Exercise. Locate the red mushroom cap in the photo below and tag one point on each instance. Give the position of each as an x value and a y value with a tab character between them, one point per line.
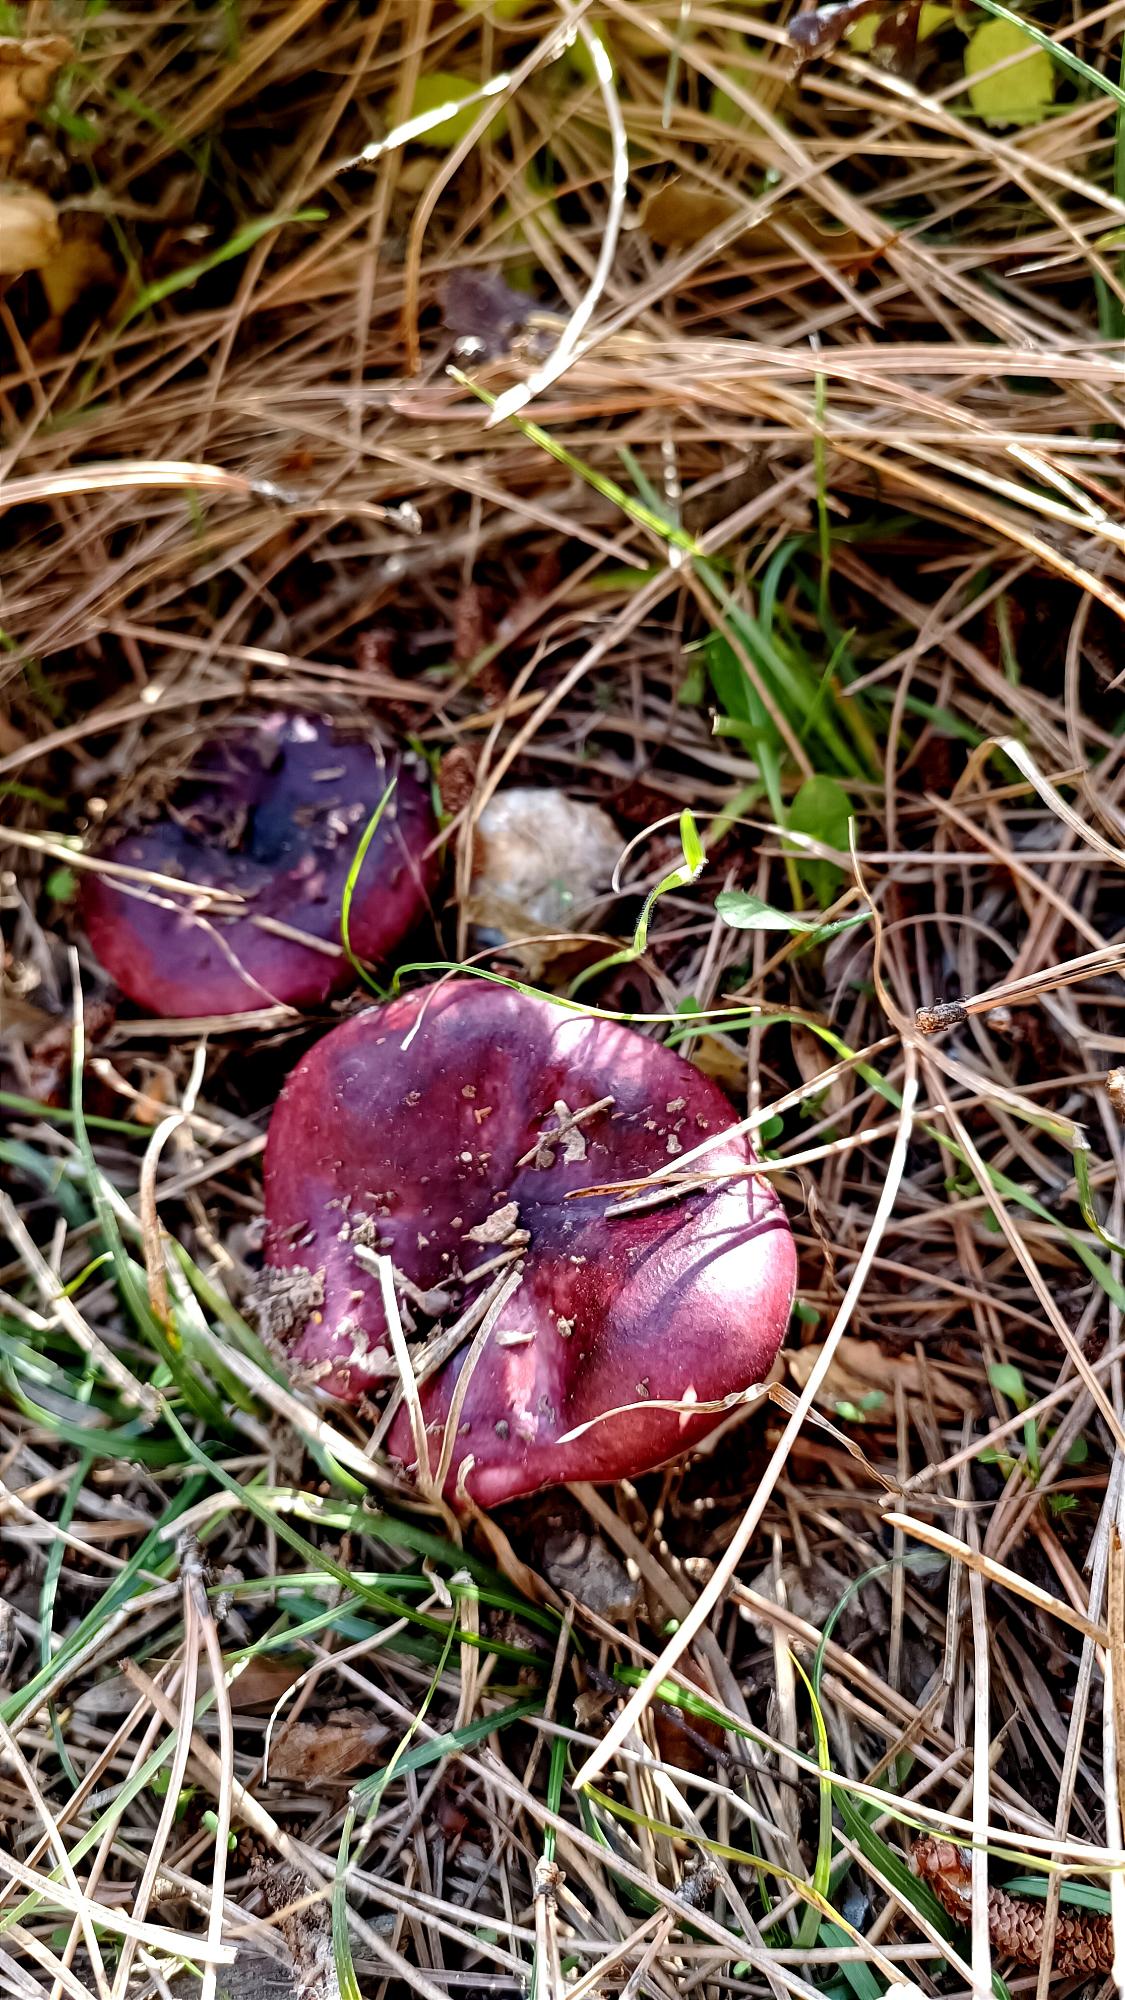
275	812
408	1143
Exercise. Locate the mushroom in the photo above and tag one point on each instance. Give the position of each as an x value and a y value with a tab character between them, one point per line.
454	1132
273	812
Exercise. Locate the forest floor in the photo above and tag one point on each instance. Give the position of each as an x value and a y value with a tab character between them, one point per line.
809	525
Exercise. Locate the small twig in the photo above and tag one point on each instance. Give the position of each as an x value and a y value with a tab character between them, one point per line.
510	1285
568	1123
997	1573
193	1581
385	1272
1016	992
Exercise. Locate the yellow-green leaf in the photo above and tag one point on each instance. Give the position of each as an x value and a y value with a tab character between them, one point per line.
1019	93
443	87
723	105
497	10
931	18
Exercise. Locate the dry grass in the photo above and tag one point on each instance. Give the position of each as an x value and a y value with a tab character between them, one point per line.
874	368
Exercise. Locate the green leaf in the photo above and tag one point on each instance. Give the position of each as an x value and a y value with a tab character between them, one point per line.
740	700
931	19
497	10
61	885
1022	91
154	1557
1008	1381
31	1106
744	912
723	106
108	1443
341	1943
608	488
379	1600
449	1743
858	1974
821	809
679	878
693	688
691	844
1086	1197
48	1172
132	1284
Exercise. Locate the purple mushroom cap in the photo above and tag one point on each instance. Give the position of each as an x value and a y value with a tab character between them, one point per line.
440	1128
274	812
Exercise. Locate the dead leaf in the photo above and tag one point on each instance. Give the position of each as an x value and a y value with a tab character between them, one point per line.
862	1369
690	1742
457	776
812	1059
677	216
590	1706
451	1821
48	1071
24	1022
497	1227
305	1923
80	264
483	311
28	66
811	1590
29	231
542	867
262	1683
582	1566
717	1058
309	1752
158	1093
253	1976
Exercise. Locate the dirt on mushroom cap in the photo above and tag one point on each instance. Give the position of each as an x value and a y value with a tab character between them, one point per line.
420	1120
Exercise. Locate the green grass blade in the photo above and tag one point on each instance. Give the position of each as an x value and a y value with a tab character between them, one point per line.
679	878
237	245
131	1282
156	1556
365	840
378	1600
646	517
449	1743
822	1872
58	1115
